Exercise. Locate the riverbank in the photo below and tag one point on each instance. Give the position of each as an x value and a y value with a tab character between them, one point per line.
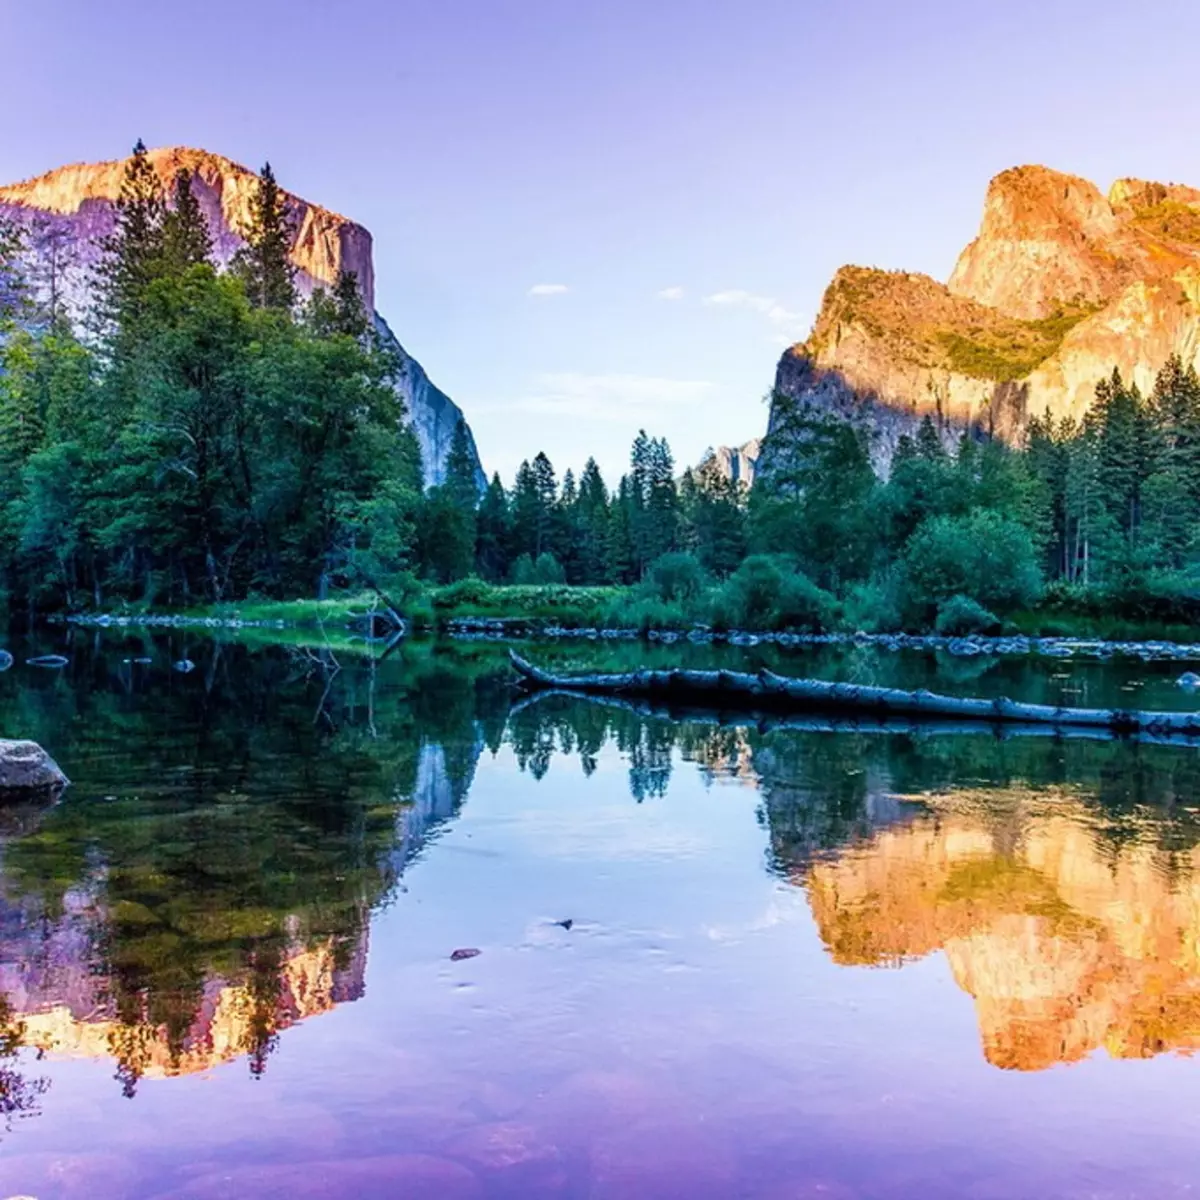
335	619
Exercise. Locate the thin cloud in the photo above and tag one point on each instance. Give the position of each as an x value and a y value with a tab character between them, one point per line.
787	325
671	293
549	289
610	397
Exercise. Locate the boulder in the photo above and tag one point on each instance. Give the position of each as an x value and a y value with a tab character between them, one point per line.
26	767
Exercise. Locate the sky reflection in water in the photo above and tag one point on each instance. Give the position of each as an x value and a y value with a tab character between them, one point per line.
226	951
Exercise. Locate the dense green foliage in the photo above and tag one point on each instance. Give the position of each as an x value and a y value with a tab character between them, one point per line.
202	438
199	437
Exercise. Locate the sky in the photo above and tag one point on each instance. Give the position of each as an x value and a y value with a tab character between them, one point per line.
596	216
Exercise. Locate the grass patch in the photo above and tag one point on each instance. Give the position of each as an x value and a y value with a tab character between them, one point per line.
1170	219
1010	351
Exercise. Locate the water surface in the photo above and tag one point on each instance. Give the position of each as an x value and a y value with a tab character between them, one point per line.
714	961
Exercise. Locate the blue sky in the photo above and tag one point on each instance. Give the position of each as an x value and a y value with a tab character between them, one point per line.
596	215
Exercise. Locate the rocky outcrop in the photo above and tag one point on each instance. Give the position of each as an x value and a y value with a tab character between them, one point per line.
734	464
439	415
73	208
25	767
1061	285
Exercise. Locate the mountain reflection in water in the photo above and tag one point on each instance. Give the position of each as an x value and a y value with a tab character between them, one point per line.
218	872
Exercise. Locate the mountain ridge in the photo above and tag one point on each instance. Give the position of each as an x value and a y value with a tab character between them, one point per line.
1060	285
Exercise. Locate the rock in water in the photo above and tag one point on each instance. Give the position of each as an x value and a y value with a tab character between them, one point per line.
184	666
1189	681
6	660
26	767
47	660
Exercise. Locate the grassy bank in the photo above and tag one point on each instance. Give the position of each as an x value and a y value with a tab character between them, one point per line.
763	607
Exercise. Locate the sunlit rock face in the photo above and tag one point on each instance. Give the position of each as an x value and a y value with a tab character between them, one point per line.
1061	286
1069	943
78	203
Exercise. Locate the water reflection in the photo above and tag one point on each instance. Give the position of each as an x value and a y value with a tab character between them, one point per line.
1061	880
209	880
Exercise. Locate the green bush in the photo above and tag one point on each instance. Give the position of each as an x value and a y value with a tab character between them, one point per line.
983	555
470	591
676	576
643	612
767	593
960	616
873	606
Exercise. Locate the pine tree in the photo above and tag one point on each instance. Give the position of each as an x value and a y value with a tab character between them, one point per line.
493	533
132	255
460	470
350	314
186	239
262	263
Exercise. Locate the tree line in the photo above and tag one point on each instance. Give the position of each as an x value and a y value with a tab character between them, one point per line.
190	435
1099	514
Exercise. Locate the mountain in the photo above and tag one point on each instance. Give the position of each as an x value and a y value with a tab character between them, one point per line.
71	209
735	463
1061	285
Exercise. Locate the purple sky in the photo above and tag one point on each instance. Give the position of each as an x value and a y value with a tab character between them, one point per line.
617	148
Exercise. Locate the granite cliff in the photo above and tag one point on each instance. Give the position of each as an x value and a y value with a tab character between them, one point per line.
736	464
76	206
1061	285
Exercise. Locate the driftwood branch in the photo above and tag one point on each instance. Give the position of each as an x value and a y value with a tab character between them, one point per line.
766	692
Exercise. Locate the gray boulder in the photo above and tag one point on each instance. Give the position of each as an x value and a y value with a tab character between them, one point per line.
26	767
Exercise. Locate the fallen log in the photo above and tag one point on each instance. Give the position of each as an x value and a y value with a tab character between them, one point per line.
769	692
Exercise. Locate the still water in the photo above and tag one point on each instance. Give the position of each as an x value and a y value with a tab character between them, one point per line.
713	960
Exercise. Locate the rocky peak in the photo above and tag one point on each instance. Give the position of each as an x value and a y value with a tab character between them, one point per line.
325	243
1046	239
80	200
1061	285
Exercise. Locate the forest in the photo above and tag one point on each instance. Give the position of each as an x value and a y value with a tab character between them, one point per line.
192	436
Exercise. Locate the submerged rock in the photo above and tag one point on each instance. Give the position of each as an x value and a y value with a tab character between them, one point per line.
26	767
1189	681
184	665
6	660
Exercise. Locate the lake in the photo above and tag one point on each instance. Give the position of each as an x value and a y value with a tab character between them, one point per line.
307	925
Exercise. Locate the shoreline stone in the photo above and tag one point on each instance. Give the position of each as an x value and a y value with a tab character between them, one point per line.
26	767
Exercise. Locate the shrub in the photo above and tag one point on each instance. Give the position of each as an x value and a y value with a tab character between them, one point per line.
643	613
960	616
984	556
470	591
873	606
676	576
766	593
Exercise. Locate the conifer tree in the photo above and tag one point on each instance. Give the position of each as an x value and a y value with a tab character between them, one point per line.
263	263
493	533
460	470
350	314
186	238
133	253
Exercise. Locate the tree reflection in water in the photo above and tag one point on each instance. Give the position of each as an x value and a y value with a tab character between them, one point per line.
209	879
